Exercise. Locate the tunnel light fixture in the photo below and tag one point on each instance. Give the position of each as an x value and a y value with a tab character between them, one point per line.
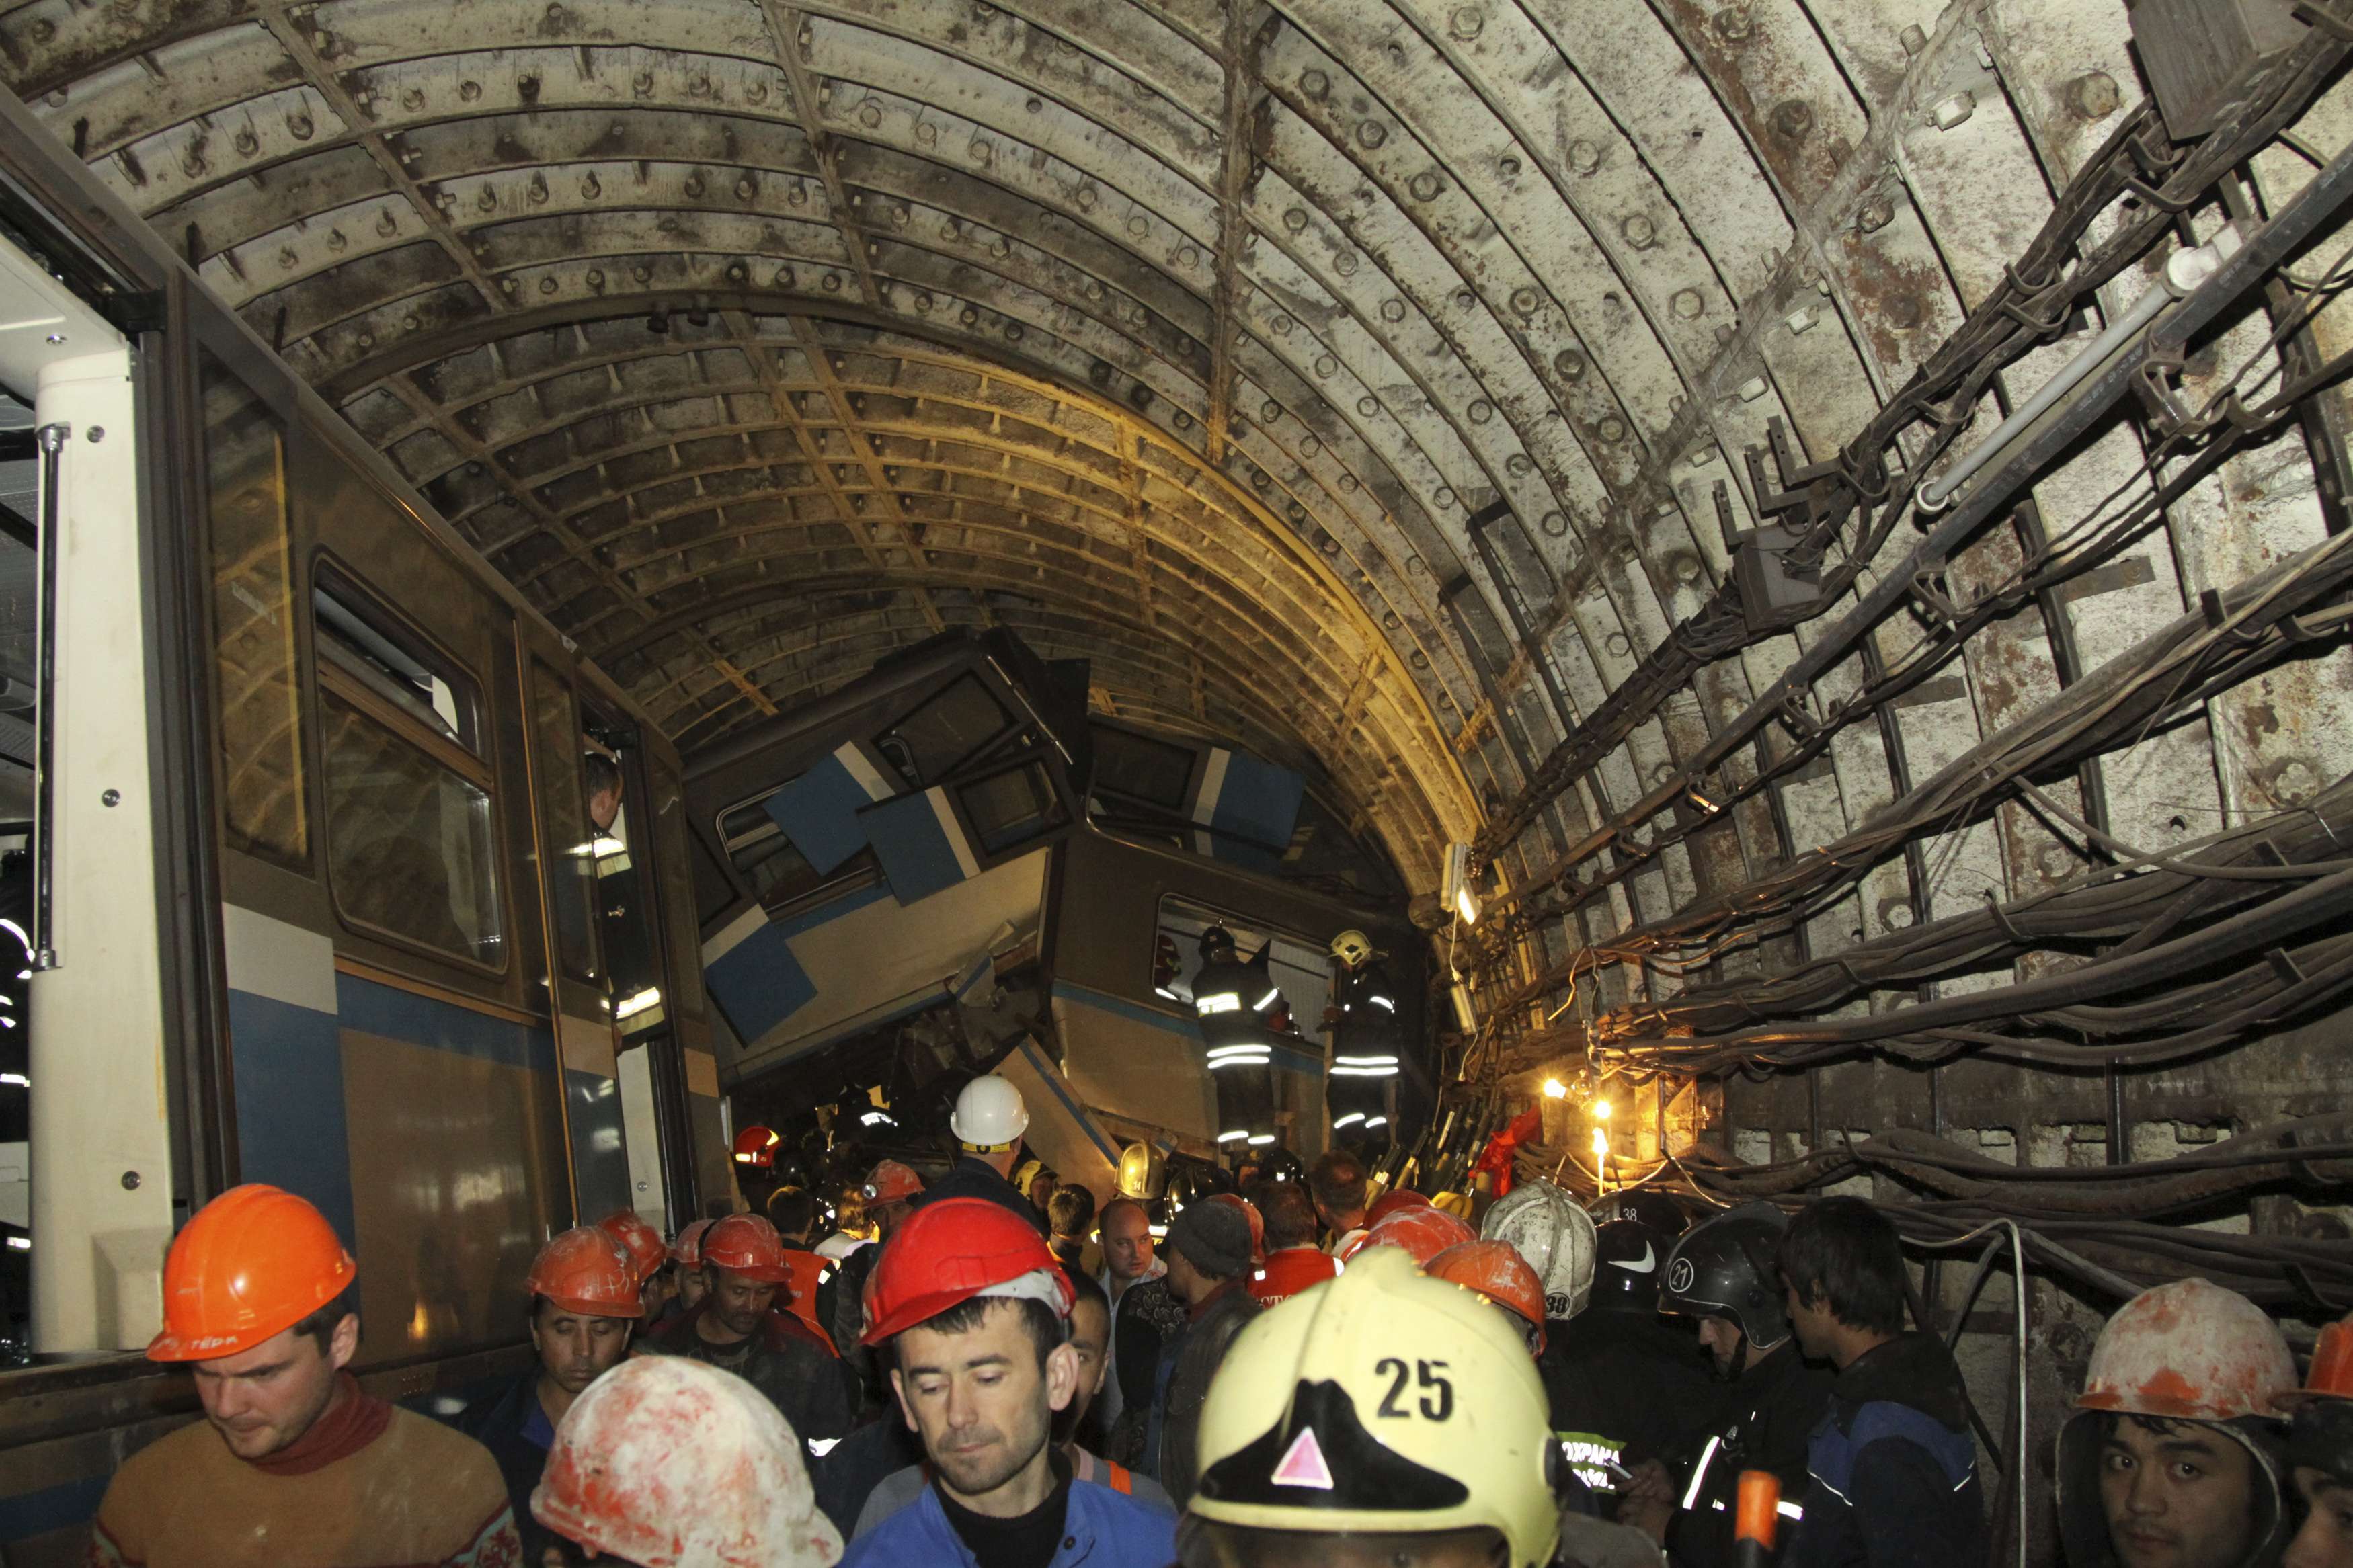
1555	1089
1233	1137
1601	1108
14	1080
1260	1140
20	1244
1454	890
631	1006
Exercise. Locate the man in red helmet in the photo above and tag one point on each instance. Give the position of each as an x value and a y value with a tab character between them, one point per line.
585	1303
2321	1453
292	1465
733	1328
975	1313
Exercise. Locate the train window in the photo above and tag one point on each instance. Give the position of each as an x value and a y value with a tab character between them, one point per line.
411	849
950	728
570	845
260	696
1011	808
1154	772
1298	973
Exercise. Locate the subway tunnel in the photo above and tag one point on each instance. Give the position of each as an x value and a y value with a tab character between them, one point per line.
1571	430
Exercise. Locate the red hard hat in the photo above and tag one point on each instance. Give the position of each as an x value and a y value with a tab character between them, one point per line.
1424	1232
747	1245
253	1263
892	1182
2330	1376
1290	1271
667	1462
1256	1223
950	1251
756	1147
1388	1203
585	1270
2190	1350
646	1249
687	1248
1496	1271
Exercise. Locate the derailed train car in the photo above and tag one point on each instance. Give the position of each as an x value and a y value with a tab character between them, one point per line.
340	869
950	854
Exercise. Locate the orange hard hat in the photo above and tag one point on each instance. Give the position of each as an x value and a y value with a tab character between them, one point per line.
667	1462
1256	1223
747	1245
892	1182
646	1249
687	1248
952	1250
756	1147
585	1270
253	1263
2330	1376
1496	1271
1424	1232
2190	1350
1388	1203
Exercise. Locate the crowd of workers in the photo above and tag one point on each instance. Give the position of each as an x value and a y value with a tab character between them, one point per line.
1306	1373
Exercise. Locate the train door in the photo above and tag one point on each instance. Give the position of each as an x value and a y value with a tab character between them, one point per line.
578	803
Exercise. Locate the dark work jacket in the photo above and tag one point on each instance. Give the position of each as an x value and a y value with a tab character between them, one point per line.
1765	1421
1891	1469
1192	1362
496	1421
1150	1315
974	1177
812	1389
1625	1387
847	1476
841	1311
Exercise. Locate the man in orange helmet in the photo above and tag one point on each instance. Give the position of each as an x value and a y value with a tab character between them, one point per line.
584	1304
292	1466
975	1311
649	1256
889	1191
1293	1261
2320	1454
1496	1271
734	1329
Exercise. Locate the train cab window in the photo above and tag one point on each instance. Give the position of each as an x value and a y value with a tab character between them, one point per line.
950	728
411	849
572	843
1011	808
1155	772
253	608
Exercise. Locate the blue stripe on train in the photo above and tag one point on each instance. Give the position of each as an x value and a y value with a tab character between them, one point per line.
1258	803
288	1066
818	811
60	1507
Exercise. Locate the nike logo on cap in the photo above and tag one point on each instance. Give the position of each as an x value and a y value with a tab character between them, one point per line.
1648	1261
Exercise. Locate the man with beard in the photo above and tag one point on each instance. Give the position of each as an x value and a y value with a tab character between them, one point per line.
974	1312
293	1465
2172	1459
584	1303
1722	1274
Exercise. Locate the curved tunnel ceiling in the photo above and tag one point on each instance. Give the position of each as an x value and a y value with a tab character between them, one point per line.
755	339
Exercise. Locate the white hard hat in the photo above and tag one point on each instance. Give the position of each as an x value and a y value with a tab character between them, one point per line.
1555	1234
674	1464
989	1114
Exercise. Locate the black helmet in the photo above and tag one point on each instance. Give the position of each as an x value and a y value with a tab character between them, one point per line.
1723	1268
1216	940
1626	1260
1280	1164
1653	1208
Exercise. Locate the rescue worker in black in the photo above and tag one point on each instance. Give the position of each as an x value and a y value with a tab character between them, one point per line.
1891	1469
1722	1274
1624	1386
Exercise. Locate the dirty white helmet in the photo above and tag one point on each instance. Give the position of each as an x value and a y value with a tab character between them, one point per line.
669	1463
989	1115
1382	1403
1351	947
1556	1235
